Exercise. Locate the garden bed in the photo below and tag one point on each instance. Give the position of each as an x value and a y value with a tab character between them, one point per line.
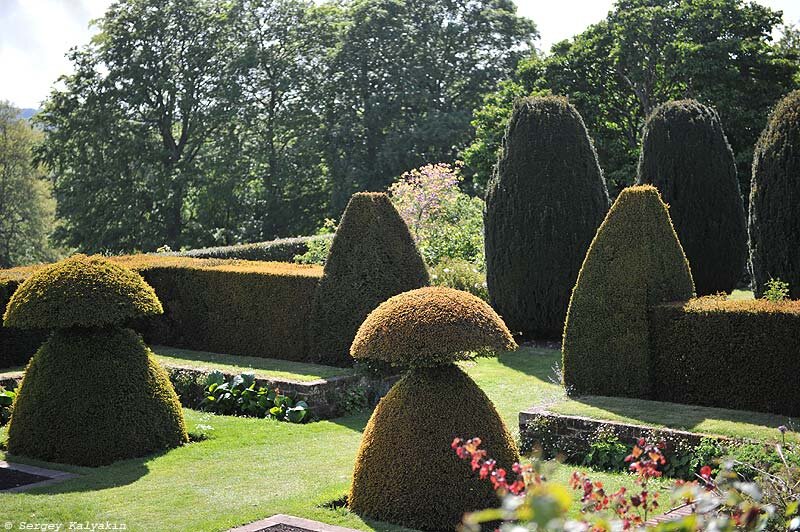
330	392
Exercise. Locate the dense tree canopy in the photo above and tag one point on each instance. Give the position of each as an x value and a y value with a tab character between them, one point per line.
646	52
201	122
26	205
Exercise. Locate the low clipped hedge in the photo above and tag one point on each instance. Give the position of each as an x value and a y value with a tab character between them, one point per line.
230	306
280	250
732	354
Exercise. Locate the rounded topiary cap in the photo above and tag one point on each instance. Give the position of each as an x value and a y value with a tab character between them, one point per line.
80	291
431	326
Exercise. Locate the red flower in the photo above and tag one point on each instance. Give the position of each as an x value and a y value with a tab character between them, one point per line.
705	472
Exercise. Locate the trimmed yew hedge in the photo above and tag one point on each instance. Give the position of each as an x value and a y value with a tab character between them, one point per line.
281	250
634	262
730	354
229	306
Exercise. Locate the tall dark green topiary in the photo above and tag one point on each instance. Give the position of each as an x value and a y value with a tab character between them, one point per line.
686	156
775	199
372	258
93	393
543	206
635	261
405	471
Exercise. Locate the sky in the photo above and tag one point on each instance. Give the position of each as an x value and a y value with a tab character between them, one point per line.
35	35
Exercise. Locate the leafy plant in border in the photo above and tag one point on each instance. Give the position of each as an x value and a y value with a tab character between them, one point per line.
7	396
776	290
240	396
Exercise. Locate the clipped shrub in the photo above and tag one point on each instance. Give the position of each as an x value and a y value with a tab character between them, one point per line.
686	156
92	393
228	306
730	354
543	206
634	262
406	471
774	197
372	258
280	250
400	330
240	307
91	397
80	291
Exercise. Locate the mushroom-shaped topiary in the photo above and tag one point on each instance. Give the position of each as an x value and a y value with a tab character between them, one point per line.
81	291
93	393
405	471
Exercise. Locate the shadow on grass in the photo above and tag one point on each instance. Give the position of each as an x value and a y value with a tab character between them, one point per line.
673	415
355	422
118	474
536	362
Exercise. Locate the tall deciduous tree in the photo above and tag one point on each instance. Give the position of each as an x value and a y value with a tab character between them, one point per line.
26	205
405	79
147	96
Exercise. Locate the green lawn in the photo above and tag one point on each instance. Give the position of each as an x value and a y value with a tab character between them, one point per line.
263	367
254	468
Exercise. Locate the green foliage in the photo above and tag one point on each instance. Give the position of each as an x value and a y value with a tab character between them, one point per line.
686	156
431	326
606	452
277	119
319	248
94	396
27	207
543	207
80	291
240	396
645	52
405	471
7	396
372	258
460	275
740	354
774	196
428	63
776	291
280	250
634	262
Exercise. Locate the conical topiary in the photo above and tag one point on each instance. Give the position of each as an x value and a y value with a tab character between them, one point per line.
93	393
634	262
543	206
372	258
686	156
405	471
774	200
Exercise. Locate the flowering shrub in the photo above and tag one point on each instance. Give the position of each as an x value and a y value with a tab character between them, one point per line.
444	222
531	502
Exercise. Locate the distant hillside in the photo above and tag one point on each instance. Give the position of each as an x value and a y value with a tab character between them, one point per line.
27	113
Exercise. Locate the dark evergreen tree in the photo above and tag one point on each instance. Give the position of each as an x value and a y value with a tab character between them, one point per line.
543	206
372	258
686	156
774	199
